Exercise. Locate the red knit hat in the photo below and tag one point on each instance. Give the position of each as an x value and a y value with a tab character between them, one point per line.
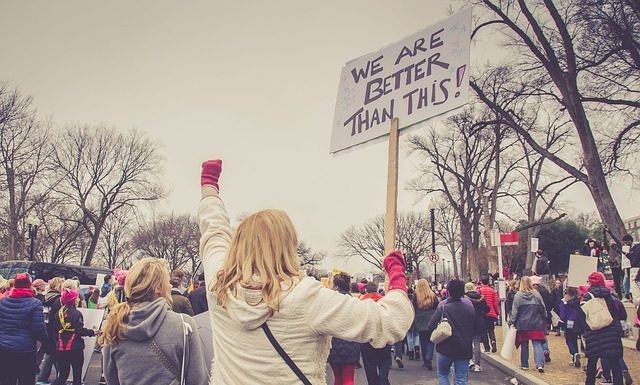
22	281
596	279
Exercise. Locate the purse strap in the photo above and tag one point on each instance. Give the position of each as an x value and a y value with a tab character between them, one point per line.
292	365
186	330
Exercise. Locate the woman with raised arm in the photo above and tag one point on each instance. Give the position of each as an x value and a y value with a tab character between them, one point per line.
270	324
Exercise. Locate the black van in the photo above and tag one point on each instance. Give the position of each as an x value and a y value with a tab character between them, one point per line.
44	270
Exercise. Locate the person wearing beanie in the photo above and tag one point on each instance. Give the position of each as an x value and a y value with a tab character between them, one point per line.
457	349
481	308
69	345
21	324
605	343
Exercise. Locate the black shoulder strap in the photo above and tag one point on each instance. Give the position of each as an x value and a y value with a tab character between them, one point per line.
284	355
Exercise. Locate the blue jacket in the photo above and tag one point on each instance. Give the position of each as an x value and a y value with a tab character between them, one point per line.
570	311
21	324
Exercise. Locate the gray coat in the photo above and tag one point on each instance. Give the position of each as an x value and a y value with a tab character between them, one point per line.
528	311
152	350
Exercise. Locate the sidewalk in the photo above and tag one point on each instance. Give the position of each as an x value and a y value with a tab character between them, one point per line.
559	371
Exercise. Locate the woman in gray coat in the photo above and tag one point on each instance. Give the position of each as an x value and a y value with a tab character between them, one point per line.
147	343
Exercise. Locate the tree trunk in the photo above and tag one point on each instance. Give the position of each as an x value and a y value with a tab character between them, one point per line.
95	238
13	218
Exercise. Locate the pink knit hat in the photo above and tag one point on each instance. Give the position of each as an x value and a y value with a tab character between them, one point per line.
68	296
121	276
38	284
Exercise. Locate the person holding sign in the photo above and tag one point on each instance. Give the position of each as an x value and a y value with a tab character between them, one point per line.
270	324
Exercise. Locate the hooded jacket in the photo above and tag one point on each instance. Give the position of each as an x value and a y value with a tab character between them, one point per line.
481	308
570	311
152	350
309	316
605	342
528	311
463	319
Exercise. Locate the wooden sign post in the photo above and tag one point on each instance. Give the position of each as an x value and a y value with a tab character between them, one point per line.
392	189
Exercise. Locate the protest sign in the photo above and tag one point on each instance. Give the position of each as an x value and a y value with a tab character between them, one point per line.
417	78
92	319
580	266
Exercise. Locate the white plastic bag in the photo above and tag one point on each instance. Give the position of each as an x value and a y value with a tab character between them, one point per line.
555	318
509	344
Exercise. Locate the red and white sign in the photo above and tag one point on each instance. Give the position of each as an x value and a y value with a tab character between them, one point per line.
509	239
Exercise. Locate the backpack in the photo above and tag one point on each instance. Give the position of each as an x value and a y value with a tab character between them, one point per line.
542	265
66	334
596	313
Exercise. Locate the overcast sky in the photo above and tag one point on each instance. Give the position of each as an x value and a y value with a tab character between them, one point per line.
251	82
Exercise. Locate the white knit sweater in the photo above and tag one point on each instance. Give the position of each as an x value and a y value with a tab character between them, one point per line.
309	316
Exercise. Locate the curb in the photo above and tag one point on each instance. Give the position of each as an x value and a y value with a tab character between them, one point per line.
508	368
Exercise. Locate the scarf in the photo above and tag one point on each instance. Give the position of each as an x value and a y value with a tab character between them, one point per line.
21	293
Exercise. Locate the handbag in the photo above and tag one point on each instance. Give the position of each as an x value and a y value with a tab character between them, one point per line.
292	365
443	330
509	345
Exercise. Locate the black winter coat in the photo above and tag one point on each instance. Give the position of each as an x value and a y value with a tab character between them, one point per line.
557	295
605	342
462	318
52	305
344	352
198	299
481	308
71	338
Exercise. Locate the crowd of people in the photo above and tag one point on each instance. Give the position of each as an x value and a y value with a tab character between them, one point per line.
271	324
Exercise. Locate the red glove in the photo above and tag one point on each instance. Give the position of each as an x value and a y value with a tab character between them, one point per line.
210	174
394	266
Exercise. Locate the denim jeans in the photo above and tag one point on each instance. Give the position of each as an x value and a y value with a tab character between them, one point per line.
426	346
412	340
592	363
626	282
476	349
460	369
48	361
538	354
571	338
606	367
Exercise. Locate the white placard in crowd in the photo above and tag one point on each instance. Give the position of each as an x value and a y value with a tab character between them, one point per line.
422	76
92	319
534	244
580	266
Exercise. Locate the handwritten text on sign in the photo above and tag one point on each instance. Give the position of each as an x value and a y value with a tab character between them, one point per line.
422	76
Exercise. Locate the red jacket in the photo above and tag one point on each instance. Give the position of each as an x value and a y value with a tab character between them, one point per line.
374	296
492	299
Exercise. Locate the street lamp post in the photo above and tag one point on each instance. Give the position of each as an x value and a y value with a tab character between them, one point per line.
32	226
432	210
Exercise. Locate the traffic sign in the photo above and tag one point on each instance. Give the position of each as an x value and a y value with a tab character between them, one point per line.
434	257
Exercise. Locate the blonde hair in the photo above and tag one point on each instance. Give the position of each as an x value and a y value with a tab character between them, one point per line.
70	284
56	284
147	280
425	297
526	286
265	245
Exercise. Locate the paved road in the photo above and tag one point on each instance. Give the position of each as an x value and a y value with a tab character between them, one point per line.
412	374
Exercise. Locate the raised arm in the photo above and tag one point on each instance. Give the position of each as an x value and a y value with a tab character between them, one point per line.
215	229
379	323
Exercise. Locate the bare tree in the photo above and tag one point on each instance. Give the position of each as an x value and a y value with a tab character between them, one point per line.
116	247
103	171
172	237
60	231
309	258
447	228
595	85
24	152
367	241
